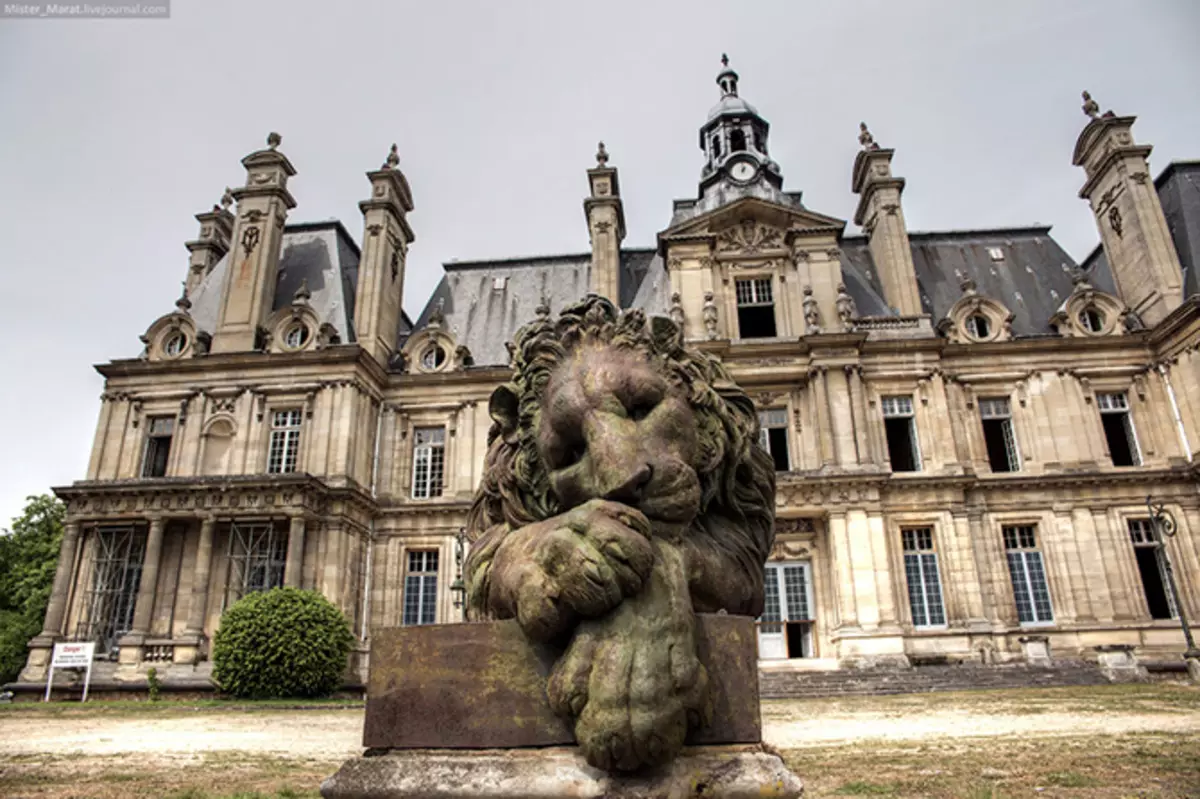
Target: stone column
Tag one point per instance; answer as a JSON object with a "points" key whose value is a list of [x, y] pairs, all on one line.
{"points": [[199, 605], [149, 584], [295, 553], [63, 574]]}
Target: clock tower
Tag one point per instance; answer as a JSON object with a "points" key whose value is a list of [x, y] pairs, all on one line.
{"points": [[734, 141]]}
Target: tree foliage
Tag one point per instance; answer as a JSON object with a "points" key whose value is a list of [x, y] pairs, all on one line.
{"points": [[281, 643], [28, 558]]}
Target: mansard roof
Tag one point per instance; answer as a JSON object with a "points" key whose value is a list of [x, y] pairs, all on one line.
{"points": [[323, 254], [1178, 189]]}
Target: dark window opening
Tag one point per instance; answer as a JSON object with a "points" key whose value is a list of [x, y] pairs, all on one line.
{"points": [[997, 432], [756, 308], [797, 639], [1118, 439], [978, 326], [900, 445], [737, 141], [158, 446], [777, 436], [716, 147], [1152, 583]]}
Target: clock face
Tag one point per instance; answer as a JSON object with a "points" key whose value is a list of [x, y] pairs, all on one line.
{"points": [[742, 170]]}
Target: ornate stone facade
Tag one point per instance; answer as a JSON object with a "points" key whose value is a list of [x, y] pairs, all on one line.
{"points": [[965, 425]]}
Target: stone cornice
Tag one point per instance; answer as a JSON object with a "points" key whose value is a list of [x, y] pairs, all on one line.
{"points": [[247, 362]]}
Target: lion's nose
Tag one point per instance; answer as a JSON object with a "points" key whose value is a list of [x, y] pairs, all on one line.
{"points": [[633, 490]]}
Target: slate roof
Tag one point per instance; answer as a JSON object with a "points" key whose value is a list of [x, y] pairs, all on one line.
{"points": [[1031, 276], [321, 253], [1178, 189]]}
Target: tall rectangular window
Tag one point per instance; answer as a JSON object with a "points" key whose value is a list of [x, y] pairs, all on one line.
{"points": [[996, 415], [924, 581], [772, 436], [1028, 575], [257, 558], [420, 587], [285, 441], [786, 626], [756, 308], [429, 461], [900, 424], [159, 430], [118, 552], [1154, 585], [1118, 429]]}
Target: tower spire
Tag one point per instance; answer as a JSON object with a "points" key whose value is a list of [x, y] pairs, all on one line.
{"points": [[727, 79]]}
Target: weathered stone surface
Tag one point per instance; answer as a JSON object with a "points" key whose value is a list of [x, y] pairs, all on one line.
{"points": [[727, 772], [483, 685]]}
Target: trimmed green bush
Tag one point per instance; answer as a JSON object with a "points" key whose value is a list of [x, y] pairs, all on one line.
{"points": [[281, 643]]}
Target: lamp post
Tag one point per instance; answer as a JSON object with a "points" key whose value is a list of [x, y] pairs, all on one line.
{"points": [[1163, 524], [458, 586]]}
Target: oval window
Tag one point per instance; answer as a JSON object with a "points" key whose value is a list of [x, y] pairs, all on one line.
{"points": [[175, 344], [978, 326], [433, 358], [1091, 320], [296, 336]]}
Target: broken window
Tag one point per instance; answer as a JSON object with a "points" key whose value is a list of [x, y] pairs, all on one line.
{"points": [[996, 415], [1149, 553], [285, 441], [159, 430], [773, 436], [924, 581], [257, 558], [420, 587], [1118, 429], [429, 461], [900, 426], [1028, 574], [107, 615], [756, 308]]}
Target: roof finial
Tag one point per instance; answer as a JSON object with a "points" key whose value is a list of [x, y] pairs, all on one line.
{"points": [[183, 303], [1090, 106], [437, 317], [724, 60], [393, 158], [601, 155], [865, 138], [302, 293], [227, 198], [274, 140]]}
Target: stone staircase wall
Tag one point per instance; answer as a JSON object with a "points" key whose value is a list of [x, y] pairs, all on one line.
{"points": [[924, 679]]}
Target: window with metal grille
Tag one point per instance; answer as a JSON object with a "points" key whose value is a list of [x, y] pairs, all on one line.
{"points": [[900, 425], [257, 558], [1150, 556], [756, 308], [1028, 574], [159, 430], [285, 441], [117, 555], [420, 587], [772, 436], [429, 461], [1118, 429], [996, 416], [924, 580]]}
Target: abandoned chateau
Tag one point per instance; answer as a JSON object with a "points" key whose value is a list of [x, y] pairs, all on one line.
{"points": [[965, 425]]}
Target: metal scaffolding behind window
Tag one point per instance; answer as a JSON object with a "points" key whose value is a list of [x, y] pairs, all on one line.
{"points": [[118, 552], [257, 556], [1028, 574], [429, 461], [924, 581], [285, 441], [420, 587]]}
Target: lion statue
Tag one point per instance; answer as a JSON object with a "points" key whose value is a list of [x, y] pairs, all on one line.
{"points": [[624, 491]]}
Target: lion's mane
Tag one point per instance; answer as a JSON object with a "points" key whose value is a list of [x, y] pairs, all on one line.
{"points": [[737, 478]]}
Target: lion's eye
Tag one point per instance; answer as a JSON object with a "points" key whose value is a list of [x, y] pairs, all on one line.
{"points": [[640, 410]]}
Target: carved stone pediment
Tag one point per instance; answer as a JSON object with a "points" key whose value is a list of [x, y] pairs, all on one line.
{"points": [[749, 237]]}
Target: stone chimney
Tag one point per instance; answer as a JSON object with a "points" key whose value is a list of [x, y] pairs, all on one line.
{"points": [[386, 236], [249, 289], [216, 228], [606, 226], [1133, 229], [881, 217]]}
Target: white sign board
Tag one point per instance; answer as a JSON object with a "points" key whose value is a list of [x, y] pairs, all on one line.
{"points": [[71, 655]]}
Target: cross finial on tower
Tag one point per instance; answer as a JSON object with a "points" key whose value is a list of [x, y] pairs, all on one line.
{"points": [[393, 158], [601, 155], [724, 60], [274, 140]]}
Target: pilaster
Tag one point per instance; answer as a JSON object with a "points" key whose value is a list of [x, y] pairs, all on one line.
{"points": [[294, 564], [131, 643]]}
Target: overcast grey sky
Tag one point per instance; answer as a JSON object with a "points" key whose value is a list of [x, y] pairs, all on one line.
{"points": [[113, 133]]}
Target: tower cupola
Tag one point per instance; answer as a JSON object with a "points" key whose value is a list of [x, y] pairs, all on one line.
{"points": [[734, 138]]}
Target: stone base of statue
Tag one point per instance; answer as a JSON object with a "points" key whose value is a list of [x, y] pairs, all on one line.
{"points": [[461, 711], [719, 772]]}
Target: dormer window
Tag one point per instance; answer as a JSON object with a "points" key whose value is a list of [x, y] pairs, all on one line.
{"points": [[175, 344], [433, 358], [1091, 320], [978, 326], [296, 336]]}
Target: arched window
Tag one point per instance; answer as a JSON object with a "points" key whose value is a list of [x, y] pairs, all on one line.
{"points": [[716, 147], [737, 141]]}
